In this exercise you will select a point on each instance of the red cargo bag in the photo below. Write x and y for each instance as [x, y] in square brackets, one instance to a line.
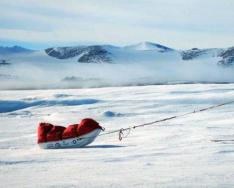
[42, 130]
[70, 132]
[55, 134]
[86, 126]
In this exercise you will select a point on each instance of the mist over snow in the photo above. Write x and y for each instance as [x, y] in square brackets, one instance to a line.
[98, 66]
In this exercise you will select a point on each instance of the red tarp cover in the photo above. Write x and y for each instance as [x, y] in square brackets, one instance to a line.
[55, 134]
[70, 132]
[42, 130]
[87, 125]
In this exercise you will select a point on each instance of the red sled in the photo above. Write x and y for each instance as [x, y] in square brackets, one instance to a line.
[73, 136]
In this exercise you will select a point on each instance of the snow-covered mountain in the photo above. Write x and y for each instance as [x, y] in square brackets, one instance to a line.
[226, 55]
[143, 51]
[106, 65]
[107, 53]
[13, 50]
[149, 46]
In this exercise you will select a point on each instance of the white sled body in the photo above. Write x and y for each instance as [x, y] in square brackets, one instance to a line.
[76, 142]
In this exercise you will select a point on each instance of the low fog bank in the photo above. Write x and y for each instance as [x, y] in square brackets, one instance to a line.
[76, 75]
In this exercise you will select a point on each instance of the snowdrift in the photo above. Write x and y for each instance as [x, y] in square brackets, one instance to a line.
[76, 135]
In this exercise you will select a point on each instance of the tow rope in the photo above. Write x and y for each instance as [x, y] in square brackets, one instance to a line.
[124, 132]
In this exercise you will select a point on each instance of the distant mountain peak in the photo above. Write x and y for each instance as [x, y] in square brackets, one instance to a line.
[146, 45]
[13, 49]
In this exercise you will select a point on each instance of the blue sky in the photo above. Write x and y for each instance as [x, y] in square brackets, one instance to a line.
[179, 24]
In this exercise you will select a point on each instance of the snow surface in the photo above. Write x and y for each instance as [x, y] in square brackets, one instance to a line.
[177, 153]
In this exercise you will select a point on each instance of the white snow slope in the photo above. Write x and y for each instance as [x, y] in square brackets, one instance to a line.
[177, 153]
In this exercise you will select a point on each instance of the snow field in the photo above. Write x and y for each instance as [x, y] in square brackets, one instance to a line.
[177, 153]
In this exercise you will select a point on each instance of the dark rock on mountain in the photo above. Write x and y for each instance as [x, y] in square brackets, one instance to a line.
[95, 54]
[227, 56]
[86, 54]
[64, 52]
[193, 53]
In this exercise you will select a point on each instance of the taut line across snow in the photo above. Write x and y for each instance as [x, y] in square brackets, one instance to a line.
[128, 129]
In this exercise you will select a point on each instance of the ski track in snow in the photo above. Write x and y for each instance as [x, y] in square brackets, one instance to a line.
[194, 151]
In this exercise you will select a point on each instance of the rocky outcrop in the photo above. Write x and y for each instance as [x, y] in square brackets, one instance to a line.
[227, 57]
[95, 54]
[193, 53]
[85, 54]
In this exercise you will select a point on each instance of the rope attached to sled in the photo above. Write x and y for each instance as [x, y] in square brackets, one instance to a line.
[124, 132]
[122, 135]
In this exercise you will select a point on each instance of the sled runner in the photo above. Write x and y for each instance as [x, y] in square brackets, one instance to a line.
[73, 136]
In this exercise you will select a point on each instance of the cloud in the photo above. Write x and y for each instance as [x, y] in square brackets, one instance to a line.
[179, 23]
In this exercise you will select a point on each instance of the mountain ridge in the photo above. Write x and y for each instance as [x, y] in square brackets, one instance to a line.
[107, 53]
[14, 49]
